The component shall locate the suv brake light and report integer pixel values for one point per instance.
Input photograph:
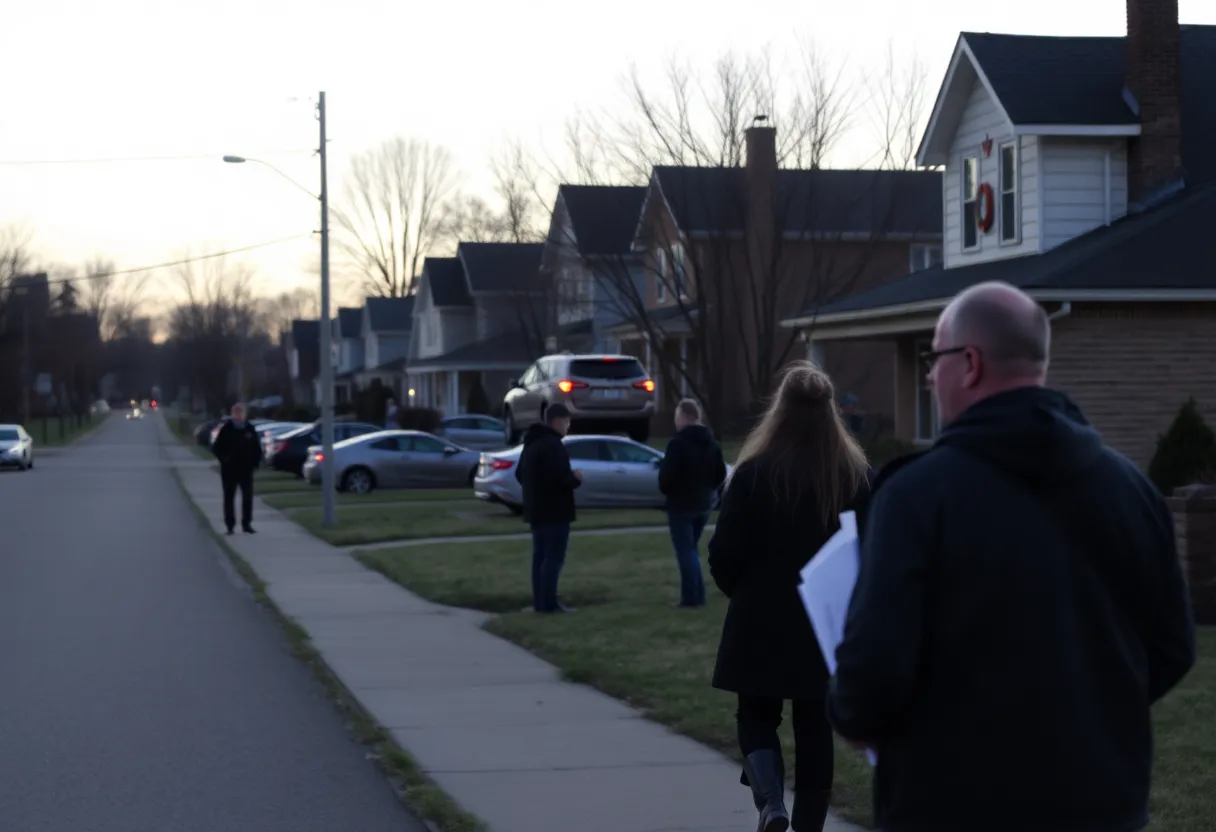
(501, 464)
(280, 446)
(565, 385)
(647, 385)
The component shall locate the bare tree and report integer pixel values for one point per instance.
(116, 301)
(470, 220)
(898, 97)
(390, 213)
(276, 313)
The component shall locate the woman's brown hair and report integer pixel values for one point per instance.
(805, 443)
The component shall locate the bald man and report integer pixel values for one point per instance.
(1019, 604)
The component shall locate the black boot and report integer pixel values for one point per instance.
(810, 810)
(756, 797)
(763, 770)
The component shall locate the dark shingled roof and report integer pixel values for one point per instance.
(305, 333)
(508, 348)
(713, 200)
(390, 314)
(445, 276)
(1168, 248)
(603, 217)
(502, 267)
(1050, 80)
(350, 321)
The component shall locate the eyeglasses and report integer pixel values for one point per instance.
(929, 357)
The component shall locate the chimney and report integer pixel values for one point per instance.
(1154, 162)
(760, 175)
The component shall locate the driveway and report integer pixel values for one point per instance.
(143, 689)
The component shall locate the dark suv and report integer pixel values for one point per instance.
(604, 393)
(290, 450)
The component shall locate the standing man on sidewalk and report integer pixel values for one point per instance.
(690, 475)
(237, 448)
(548, 489)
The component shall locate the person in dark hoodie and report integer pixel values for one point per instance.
(548, 485)
(1019, 604)
(239, 451)
(690, 474)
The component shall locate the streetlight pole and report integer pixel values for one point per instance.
(328, 486)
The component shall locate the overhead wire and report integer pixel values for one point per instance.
(117, 159)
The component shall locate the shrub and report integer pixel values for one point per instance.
(1186, 453)
(418, 418)
(478, 402)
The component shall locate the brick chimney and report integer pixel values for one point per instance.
(760, 175)
(1154, 163)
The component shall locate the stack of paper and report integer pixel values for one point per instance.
(827, 586)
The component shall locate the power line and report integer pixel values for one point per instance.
(182, 262)
(113, 159)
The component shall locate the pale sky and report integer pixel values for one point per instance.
(99, 79)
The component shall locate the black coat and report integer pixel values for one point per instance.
(1019, 607)
(759, 547)
(546, 478)
(692, 470)
(237, 448)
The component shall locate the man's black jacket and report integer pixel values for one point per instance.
(692, 470)
(546, 478)
(237, 448)
(1019, 606)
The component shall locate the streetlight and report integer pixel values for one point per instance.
(328, 508)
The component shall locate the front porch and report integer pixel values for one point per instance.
(447, 389)
(675, 347)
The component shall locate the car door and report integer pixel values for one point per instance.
(589, 457)
(387, 457)
(460, 431)
(633, 474)
(425, 460)
(487, 433)
(527, 404)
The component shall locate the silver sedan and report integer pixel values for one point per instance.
(617, 472)
(395, 459)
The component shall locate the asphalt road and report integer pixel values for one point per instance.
(141, 688)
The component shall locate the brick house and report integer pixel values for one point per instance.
(1099, 158)
(726, 252)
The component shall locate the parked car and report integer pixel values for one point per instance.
(607, 393)
(269, 431)
(617, 472)
(395, 459)
(484, 433)
(204, 433)
(290, 450)
(16, 448)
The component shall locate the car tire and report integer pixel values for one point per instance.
(640, 432)
(358, 480)
(514, 509)
(472, 476)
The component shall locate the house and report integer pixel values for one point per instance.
(385, 328)
(1082, 171)
(480, 318)
(589, 259)
(728, 251)
(302, 344)
(349, 348)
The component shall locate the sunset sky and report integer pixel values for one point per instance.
(87, 80)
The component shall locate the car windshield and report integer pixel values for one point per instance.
(8, 435)
(610, 369)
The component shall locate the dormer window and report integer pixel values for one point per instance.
(971, 186)
(1011, 226)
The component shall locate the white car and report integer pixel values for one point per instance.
(16, 448)
(617, 473)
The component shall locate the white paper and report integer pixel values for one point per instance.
(827, 585)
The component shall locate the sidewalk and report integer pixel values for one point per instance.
(494, 726)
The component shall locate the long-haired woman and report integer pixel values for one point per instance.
(798, 470)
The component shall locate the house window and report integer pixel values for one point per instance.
(971, 184)
(927, 420)
(679, 271)
(924, 256)
(660, 283)
(1010, 226)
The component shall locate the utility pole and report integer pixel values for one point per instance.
(328, 486)
(26, 369)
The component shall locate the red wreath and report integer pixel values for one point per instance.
(985, 209)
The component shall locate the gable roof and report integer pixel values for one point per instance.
(445, 279)
(1169, 248)
(501, 267)
(603, 218)
(713, 200)
(350, 321)
(305, 333)
(1045, 84)
(390, 314)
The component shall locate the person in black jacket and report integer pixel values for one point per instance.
(237, 448)
(548, 492)
(690, 474)
(1019, 604)
(798, 470)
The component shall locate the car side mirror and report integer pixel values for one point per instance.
(658, 460)
(449, 450)
(513, 383)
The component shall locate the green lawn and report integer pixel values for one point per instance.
(627, 641)
(50, 432)
(311, 498)
(373, 524)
